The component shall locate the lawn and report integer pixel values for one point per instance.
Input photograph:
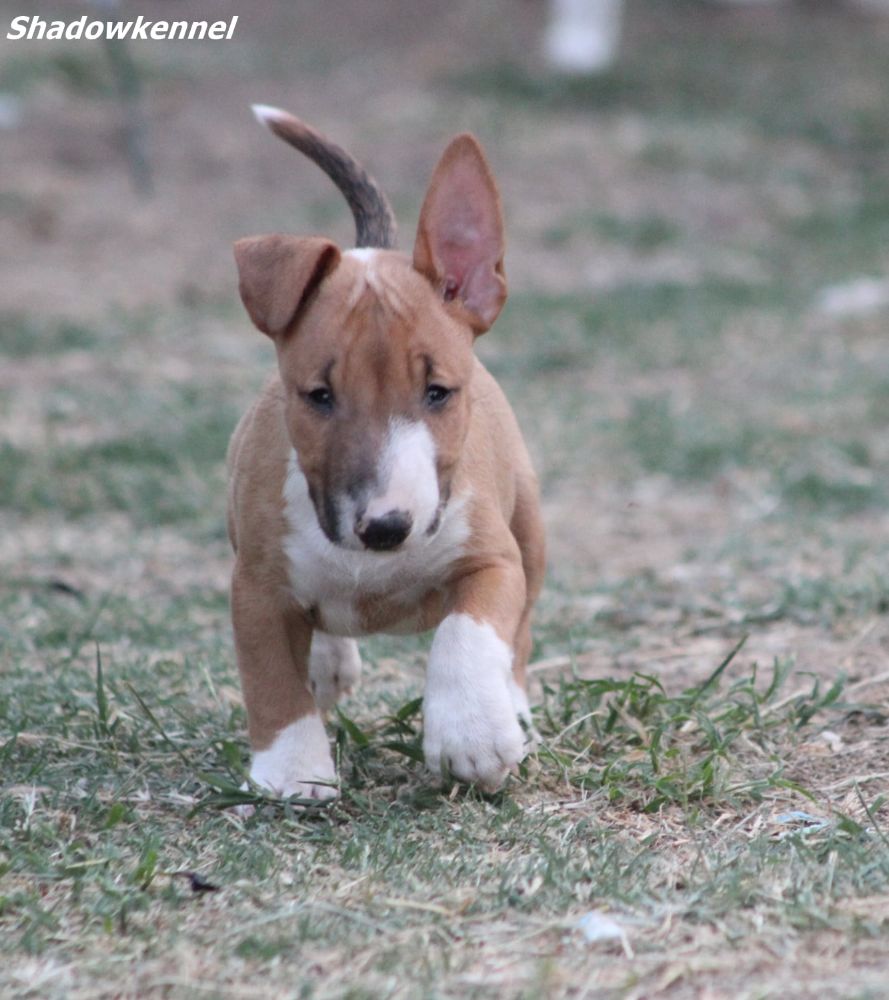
(695, 345)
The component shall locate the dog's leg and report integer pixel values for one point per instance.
(334, 668)
(527, 529)
(291, 753)
(471, 721)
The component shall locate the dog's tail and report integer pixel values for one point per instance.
(374, 218)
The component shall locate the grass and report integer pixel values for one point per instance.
(709, 660)
(111, 829)
(696, 68)
(21, 336)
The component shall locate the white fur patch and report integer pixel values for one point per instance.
(407, 475)
(330, 578)
(367, 258)
(334, 668)
(384, 282)
(298, 762)
(365, 254)
(471, 725)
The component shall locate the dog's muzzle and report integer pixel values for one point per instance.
(382, 534)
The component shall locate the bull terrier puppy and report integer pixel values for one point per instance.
(380, 482)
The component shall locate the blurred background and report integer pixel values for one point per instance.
(696, 344)
(695, 341)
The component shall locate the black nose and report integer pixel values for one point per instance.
(386, 532)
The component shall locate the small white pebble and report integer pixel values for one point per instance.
(596, 927)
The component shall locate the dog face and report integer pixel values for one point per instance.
(375, 354)
(377, 382)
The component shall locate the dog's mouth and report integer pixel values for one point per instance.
(435, 524)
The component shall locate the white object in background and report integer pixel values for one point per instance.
(598, 927)
(583, 36)
(10, 111)
(857, 297)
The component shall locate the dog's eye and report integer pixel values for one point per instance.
(437, 395)
(321, 399)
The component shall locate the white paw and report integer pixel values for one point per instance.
(334, 668)
(471, 727)
(298, 762)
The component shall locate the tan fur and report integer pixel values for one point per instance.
(379, 333)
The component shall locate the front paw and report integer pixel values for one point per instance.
(297, 762)
(471, 725)
(479, 747)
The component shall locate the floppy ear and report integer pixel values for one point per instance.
(459, 244)
(278, 274)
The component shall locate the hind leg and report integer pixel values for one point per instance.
(334, 668)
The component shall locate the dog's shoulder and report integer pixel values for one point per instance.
(257, 467)
(495, 448)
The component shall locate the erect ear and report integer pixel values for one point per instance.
(278, 274)
(459, 244)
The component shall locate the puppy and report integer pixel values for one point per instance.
(380, 482)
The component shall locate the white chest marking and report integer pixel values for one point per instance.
(331, 579)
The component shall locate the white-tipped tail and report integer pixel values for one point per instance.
(265, 113)
(374, 220)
